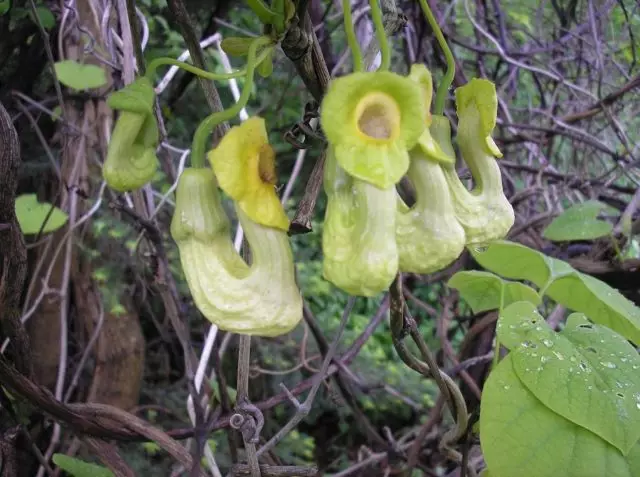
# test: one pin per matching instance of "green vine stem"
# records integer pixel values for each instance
(403, 324)
(207, 125)
(352, 41)
(376, 16)
(162, 61)
(447, 80)
(263, 12)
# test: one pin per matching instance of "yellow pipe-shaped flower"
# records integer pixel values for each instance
(260, 299)
(484, 212)
(131, 156)
(428, 235)
(370, 121)
(358, 238)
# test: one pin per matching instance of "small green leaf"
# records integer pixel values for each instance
(578, 222)
(79, 76)
(32, 214)
(5, 5)
(236, 45)
(57, 113)
(585, 374)
(79, 468)
(47, 20)
(265, 68)
(522, 437)
(483, 290)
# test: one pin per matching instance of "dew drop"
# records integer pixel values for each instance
(480, 249)
(506, 388)
(547, 343)
(608, 364)
(573, 359)
(558, 355)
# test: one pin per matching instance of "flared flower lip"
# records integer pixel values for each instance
(480, 93)
(373, 148)
(236, 162)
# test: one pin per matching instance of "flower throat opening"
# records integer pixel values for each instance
(267, 164)
(378, 117)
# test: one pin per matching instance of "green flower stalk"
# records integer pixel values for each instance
(358, 240)
(371, 121)
(428, 235)
(262, 299)
(484, 212)
(131, 157)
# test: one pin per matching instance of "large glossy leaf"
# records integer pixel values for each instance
(79, 468)
(557, 279)
(515, 261)
(521, 437)
(80, 76)
(578, 222)
(32, 214)
(589, 374)
(484, 291)
(600, 302)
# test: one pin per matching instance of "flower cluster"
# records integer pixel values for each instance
(379, 129)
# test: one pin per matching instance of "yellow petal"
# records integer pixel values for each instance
(263, 206)
(371, 120)
(244, 164)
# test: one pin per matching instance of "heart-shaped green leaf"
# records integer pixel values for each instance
(79, 76)
(521, 437)
(485, 291)
(516, 261)
(558, 280)
(586, 377)
(600, 302)
(578, 222)
(32, 214)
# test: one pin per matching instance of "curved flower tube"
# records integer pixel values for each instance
(262, 299)
(484, 213)
(428, 235)
(358, 238)
(371, 120)
(131, 157)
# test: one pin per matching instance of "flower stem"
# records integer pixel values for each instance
(447, 80)
(352, 41)
(207, 125)
(376, 16)
(157, 62)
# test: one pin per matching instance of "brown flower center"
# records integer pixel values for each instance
(267, 164)
(378, 116)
